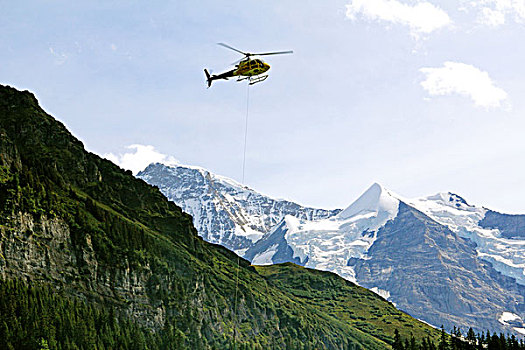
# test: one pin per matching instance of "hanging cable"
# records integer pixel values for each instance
(245, 132)
(238, 258)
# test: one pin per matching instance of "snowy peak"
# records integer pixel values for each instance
(450, 210)
(329, 243)
(451, 200)
(375, 200)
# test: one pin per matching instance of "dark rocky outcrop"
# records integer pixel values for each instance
(510, 226)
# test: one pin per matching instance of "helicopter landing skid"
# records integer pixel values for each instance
(254, 79)
(257, 79)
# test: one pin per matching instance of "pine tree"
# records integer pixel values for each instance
(398, 343)
(471, 336)
(412, 345)
(443, 344)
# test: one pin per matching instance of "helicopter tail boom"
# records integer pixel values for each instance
(225, 76)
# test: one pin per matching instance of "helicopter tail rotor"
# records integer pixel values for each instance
(208, 77)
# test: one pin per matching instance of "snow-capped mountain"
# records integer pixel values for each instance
(328, 244)
(438, 258)
(224, 211)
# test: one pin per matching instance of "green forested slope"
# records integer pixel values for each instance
(89, 252)
(345, 301)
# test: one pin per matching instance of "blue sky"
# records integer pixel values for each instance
(420, 96)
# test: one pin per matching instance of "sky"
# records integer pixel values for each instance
(420, 96)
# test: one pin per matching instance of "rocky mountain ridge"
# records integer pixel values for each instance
(224, 211)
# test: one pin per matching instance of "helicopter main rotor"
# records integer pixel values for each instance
(248, 54)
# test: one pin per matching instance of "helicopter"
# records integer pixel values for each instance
(247, 68)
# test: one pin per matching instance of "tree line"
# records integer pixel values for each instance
(456, 340)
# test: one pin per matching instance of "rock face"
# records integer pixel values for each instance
(41, 249)
(224, 211)
(37, 247)
(510, 226)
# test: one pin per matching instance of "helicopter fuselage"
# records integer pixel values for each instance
(245, 69)
(250, 68)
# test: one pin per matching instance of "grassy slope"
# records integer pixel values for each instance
(46, 172)
(345, 301)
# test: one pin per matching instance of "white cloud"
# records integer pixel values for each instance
(494, 12)
(491, 17)
(423, 17)
(463, 79)
(139, 158)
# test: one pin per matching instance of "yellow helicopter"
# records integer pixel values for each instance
(246, 68)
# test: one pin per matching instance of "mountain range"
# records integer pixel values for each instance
(439, 258)
(224, 211)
